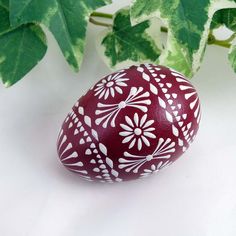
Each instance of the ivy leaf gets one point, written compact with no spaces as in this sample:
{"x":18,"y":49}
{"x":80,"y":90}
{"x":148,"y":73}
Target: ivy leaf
{"x":20,"y":48}
{"x":232,"y":57}
{"x":226,"y":17}
{"x":188,"y":23}
{"x":125,"y":45}
{"x":4,"y":16}
{"x":67,"y":20}
{"x":216,"y":20}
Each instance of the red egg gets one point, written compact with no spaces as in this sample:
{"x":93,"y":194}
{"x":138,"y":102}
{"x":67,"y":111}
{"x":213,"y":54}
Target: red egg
{"x":131,"y":124}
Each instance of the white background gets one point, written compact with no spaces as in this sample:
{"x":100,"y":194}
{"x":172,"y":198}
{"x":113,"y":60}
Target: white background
{"x":194,"y":197}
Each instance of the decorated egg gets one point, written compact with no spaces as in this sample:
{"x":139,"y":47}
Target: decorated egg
{"x":131,"y":124}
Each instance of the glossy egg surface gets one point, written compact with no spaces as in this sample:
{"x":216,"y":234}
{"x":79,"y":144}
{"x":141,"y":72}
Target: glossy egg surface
{"x":131,"y":124}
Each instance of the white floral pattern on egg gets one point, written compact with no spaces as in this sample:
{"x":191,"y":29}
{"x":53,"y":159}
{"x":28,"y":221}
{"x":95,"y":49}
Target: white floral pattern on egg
{"x":131,"y":124}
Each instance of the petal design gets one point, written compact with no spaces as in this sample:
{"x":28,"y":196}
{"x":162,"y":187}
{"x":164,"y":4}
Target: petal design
{"x":125,"y":133}
{"x":102,"y":93}
{"x":126,"y":127}
{"x":144,"y":118}
{"x":136,"y":120}
{"x":132,"y":143}
{"x":145,"y":140}
{"x":139,"y":144}
{"x":137,"y":130}
{"x":109,"y":78}
{"x":107,"y":94}
{"x":122,"y":80}
{"x":112,"y":92}
{"x":121,"y":84}
{"x":119,"y":90}
{"x":149,"y":123}
{"x":150,"y":135}
{"x":129,"y":121}
{"x":127,"y":139}
{"x":155,"y":168}
{"x":109,"y":86}
{"x":149,"y":129}
{"x":108,"y":112}
{"x":118,"y":76}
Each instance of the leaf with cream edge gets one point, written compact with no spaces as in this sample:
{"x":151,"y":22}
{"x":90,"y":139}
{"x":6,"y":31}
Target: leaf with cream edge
{"x":232,"y":57}
{"x":216,"y":21}
{"x":4,"y":16}
{"x":224,"y":17}
{"x":20,"y":48}
{"x":227,"y":18}
{"x":67,"y":20}
{"x":124,"y":45}
{"x":188,"y":23}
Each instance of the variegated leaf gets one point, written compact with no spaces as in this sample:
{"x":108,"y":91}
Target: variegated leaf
{"x":21,"y":48}
{"x":188,"y":23}
{"x":67,"y":20}
{"x":226,"y":17}
{"x":232,"y":57}
{"x":124,"y":45}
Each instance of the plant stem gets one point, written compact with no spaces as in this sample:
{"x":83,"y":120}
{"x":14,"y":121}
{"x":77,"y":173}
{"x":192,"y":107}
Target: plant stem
{"x":99,"y":23}
{"x":211,"y":38}
{"x":102,"y":15}
{"x":164,"y":29}
{"x":222,"y":43}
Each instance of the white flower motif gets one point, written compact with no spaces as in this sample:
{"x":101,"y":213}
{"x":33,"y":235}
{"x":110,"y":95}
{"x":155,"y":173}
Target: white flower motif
{"x":111,"y":85}
{"x":109,"y":112}
{"x":137,"y":131}
{"x":155,"y":168}
{"x":164,"y":150}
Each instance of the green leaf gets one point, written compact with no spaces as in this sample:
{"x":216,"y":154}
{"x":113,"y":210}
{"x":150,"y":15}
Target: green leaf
{"x":232,"y":57}
{"x":226,"y":17}
{"x":67,"y":20}
{"x":216,"y":20}
{"x":4,"y":17}
{"x":125,"y":45}
{"x":20,"y":48}
{"x":188,"y":23}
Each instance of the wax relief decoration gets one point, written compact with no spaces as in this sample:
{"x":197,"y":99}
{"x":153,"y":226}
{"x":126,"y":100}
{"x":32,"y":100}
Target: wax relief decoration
{"x":131,"y":124}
